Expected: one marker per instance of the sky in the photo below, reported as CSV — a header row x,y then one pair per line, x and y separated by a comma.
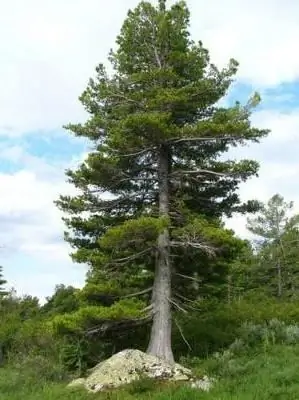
x,y
50,48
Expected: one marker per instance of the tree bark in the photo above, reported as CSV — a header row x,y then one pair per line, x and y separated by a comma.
x,y
160,339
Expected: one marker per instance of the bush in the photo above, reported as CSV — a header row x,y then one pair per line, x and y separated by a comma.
x,y
215,326
267,334
38,368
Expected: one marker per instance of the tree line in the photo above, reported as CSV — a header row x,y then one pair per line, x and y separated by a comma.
x,y
151,197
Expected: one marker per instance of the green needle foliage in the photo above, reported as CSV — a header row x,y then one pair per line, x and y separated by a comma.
x,y
152,191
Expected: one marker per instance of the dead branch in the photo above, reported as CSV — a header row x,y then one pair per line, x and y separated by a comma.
x,y
184,298
182,334
145,291
177,305
188,277
188,306
117,327
148,308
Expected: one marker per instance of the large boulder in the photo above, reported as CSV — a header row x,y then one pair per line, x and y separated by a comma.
x,y
130,365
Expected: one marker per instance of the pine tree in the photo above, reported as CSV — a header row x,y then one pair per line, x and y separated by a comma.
x,y
158,131
3,282
277,234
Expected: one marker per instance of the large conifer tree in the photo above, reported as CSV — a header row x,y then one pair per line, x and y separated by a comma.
x,y
158,132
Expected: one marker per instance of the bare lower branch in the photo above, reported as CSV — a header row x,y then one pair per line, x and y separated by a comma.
x,y
145,291
188,277
188,306
148,308
177,305
182,334
184,298
118,327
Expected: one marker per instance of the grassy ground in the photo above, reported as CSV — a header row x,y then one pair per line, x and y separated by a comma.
x,y
271,374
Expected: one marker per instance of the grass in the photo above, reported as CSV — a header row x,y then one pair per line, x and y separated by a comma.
x,y
264,375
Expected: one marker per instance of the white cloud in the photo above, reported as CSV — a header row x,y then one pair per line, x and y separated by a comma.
x,y
33,252
279,169
260,35
49,50
284,126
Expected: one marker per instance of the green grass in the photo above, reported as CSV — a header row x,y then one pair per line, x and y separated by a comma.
x,y
265,375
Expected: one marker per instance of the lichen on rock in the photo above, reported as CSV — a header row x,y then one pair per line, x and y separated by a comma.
x,y
128,366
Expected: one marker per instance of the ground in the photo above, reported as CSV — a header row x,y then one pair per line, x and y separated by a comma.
x,y
264,374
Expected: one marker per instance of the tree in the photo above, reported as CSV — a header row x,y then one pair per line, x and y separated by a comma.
x,y
64,300
3,282
240,279
277,258
158,131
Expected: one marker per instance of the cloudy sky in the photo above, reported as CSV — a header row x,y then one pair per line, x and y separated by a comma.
x,y
49,49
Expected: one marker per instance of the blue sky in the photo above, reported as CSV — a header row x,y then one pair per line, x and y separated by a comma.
x,y
50,48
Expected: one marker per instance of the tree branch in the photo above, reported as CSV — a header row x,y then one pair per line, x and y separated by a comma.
x,y
203,139
138,152
177,306
148,308
133,257
188,300
145,291
117,327
209,249
182,334
188,277
199,171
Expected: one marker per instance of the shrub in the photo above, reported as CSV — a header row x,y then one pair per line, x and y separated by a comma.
x,y
215,326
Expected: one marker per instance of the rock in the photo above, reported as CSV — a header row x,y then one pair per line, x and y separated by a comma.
x,y
204,383
130,365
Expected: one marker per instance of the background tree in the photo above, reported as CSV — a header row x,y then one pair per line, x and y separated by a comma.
x,y
3,282
240,277
277,254
158,134
63,300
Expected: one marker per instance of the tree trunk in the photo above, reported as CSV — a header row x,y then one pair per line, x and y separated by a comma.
x,y
279,280
229,289
160,339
